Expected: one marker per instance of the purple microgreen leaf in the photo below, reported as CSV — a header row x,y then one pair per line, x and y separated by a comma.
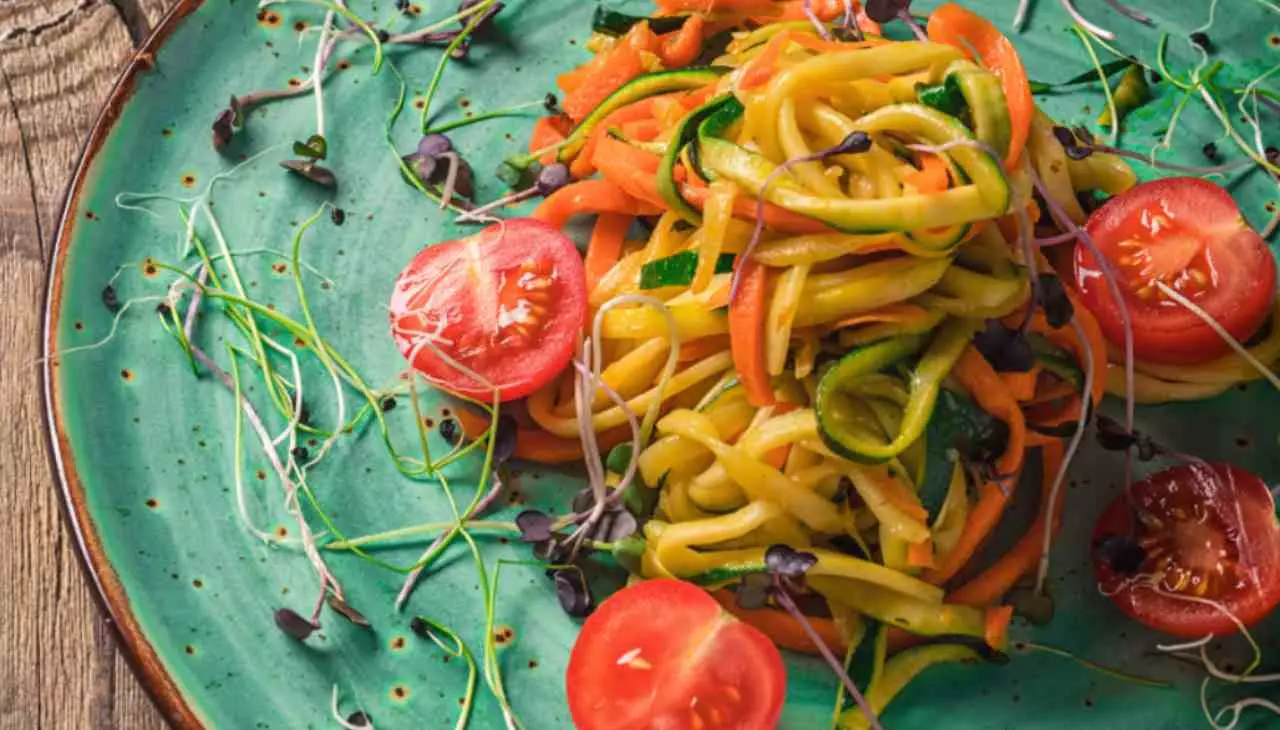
x,y
309,170
422,628
504,438
857,142
551,178
342,608
753,590
886,11
359,718
110,299
288,621
223,129
535,526
449,431
574,592
786,561
1006,348
1058,310
1122,552
618,525
434,145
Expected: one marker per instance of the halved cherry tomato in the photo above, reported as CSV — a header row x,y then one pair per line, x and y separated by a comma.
x,y
663,654
507,303
1188,234
1204,532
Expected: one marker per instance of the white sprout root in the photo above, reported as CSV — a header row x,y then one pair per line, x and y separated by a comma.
x,y
1042,572
1221,331
1083,22
338,718
327,580
425,340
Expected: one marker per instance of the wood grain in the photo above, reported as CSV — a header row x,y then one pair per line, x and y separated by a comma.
x,y
58,60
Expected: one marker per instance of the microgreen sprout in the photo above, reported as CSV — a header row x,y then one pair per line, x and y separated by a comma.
x,y
787,567
433,631
549,179
358,720
293,624
887,11
1084,23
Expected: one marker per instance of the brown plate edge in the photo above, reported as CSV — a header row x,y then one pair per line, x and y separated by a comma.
x,y
109,592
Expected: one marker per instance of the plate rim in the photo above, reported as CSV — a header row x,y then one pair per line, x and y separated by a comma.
x,y
108,591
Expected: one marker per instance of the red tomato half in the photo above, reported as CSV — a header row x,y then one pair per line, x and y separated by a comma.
x,y
507,303
1207,532
662,654
1188,234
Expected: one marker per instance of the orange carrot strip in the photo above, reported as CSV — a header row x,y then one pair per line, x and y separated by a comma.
x,y
593,82
630,168
679,48
1049,393
605,248
747,313
782,628
997,626
898,313
1022,385
920,554
933,176
983,383
534,444
897,494
952,24
549,131
989,586
775,217
703,347
588,196
644,130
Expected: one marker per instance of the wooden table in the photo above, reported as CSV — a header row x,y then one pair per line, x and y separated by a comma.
x,y
61,669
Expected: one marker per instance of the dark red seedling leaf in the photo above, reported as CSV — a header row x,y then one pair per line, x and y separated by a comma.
x,y
288,621
346,611
535,526
573,592
1005,348
786,561
309,170
110,299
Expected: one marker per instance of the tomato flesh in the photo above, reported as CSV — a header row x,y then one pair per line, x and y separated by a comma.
x,y
662,654
507,303
1187,234
1207,532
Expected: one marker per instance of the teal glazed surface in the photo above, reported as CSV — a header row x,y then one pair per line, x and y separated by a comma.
x,y
147,447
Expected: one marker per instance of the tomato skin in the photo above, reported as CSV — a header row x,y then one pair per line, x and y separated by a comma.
x,y
1237,515
508,303
1178,227
658,653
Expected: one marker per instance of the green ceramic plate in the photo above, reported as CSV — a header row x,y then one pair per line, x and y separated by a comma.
x,y
144,448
